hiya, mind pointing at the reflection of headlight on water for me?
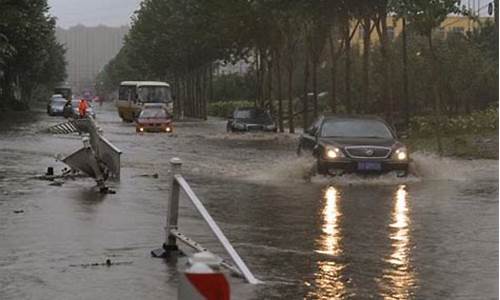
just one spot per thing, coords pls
(331, 194)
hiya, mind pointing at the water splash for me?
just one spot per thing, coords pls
(424, 167)
(430, 166)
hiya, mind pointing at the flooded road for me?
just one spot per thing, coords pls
(433, 235)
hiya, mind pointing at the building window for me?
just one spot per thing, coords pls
(457, 30)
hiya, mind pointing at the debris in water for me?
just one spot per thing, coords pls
(107, 263)
(56, 183)
(155, 175)
(20, 211)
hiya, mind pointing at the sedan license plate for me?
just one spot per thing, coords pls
(369, 166)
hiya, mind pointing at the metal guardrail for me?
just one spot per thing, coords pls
(172, 233)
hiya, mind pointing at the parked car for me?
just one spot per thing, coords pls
(71, 109)
(250, 119)
(154, 117)
(361, 144)
(55, 107)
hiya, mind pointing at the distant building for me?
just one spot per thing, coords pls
(452, 24)
(89, 49)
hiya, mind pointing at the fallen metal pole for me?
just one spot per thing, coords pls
(198, 247)
(216, 230)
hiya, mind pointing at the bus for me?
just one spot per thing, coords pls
(64, 90)
(133, 94)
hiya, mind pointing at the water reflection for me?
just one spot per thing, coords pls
(328, 280)
(331, 233)
(399, 276)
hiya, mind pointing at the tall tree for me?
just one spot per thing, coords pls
(425, 15)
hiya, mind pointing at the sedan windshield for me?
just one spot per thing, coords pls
(153, 113)
(253, 115)
(58, 101)
(355, 128)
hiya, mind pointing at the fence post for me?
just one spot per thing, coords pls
(170, 243)
(173, 205)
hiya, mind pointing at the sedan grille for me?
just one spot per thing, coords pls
(368, 151)
(254, 127)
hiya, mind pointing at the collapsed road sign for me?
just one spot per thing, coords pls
(98, 158)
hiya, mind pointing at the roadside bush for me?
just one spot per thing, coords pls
(224, 108)
(476, 122)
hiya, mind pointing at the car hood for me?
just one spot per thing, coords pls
(254, 121)
(152, 120)
(343, 142)
(58, 106)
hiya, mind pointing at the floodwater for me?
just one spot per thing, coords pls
(433, 235)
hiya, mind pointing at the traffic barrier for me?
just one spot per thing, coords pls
(202, 279)
(172, 234)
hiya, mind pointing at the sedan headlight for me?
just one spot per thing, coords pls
(401, 154)
(270, 127)
(333, 153)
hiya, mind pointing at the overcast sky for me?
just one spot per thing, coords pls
(118, 12)
(93, 12)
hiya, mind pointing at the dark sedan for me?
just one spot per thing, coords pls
(250, 119)
(360, 144)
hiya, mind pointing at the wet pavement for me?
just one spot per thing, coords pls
(433, 235)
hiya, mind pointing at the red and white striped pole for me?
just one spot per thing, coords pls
(203, 279)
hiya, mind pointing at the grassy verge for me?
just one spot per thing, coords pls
(469, 146)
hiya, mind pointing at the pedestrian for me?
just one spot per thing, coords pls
(82, 108)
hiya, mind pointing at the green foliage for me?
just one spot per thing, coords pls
(224, 108)
(477, 122)
(234, 86)
(180, 41)
(30, 57)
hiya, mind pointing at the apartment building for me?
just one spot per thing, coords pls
(89, 49)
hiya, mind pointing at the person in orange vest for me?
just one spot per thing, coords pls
(82, 108)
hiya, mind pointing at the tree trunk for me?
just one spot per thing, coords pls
(366, 63)
(306, 91)
(333, 75)
(405, 77)
(280, 93)
(495, 4)
(206, 77)
(257, 78)
(211, 82)
(290, 98)
(315, 85)
(270, 84)
(384, 49)
(347, 78)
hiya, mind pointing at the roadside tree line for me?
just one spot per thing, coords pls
(299, 48)
(31, 60)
